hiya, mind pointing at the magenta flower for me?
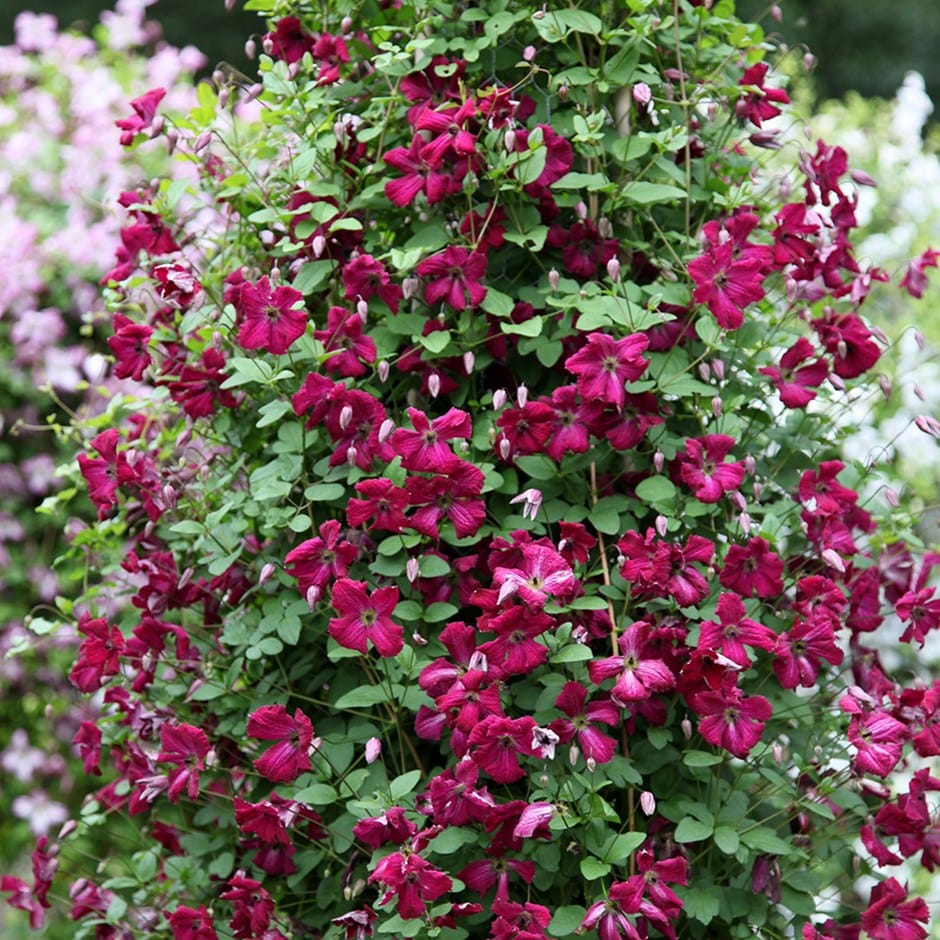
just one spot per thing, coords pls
(729, 720)
(290, 757)
(543, 573)
(795, 383)
(189, 923)
(638, 674)
(891, 917)
(454, 277)
(269, 318)
(382, 506)
(915, 278)
(411, 881)
(351, 351)
(99, 656)
(420, 176)
(734, 632)
(145, 110)
(704, 470)
(363, 617)
(753, 569)
(186, 746)
(726, 284)
(456, 496)
(129, 345)
(801, 649)
(604, 365)
(496, 743)
(320, 560)
(365, 278)
(760, 104)
(594, 744)
(425, 448)
(879, 740)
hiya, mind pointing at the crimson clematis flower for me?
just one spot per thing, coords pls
(496, 743)
(753, 569)
(129, 345)
(364, 617)
(543, 573)
(922, 611)
(357, 924)
(454, 277)
(604, 365)
(593, 743)
(411, 881)
(638, 674)
(269, 318)
(392, 827)
(878, 738)
(794, 383)
(890, 916)
(734, 632)
(290, 757)
(456, 497)
(704, 470)
(145, 110)
(726, 284)
(187, 747)
(351, 351)
(761, 104)
(188, 923)
(320, 560)
(420, 176)
(382, 506)
(801, 649)
(290, 40)
(849, 342)
(516, 921)
(424, 448)
(729, 720)
(253, 907)
(915, 278)
(365, 278)
(99, 655)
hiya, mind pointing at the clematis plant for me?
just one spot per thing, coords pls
(477, 447)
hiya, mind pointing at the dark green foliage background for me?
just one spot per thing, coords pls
(861, 45)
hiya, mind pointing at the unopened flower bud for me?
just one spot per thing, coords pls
(385, 430)
(647, 802)
(346, 24)
(776, 13)
(383, 368)
(528, 54)
(362, 308)
(169, 496)
(157, 125)
(469, 359)
(505, 448)
(604, 227)
(928, 425)
(718, 369)
(499, 398)
(750, 464)
(202, 141)
(659, 461)
(293, 70)
(229, 5)
(373, 749)
(642, 94)
(553, 278)
(717, 406)
(581, 210)
(522, 396)
(686, 727)
(412, 570)
(251, 49)
(266, 572)
(919, 392)
(509, 140)
(255, 91)
(613, 269)
(809, 61)
(662, 525)
(832, 558)
(345, 416)
(172, 139)
(892, 497)
(434, 384)
(418, 640)
(267, 44)
(744, 520)
(410, 286)
(351, 455)
(312, 596)
(591, 765)
(704, 371)
(919, 339)
(778, 753)
(563, 93)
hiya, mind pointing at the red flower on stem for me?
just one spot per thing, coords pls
(290, 757)
(604, 365)
(269, 317)
(364, 617)
(186, 746)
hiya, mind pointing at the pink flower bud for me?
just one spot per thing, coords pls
(418, 640)
(809, 61)
(345, 416)
(522, 396)
(505, 448)
(591, 765)
(659, 461)
(362, 308)
(750, 464)
(553, 278)
(581, 210)
(613, 269)
(266, 572)
(758, 489)
(686, 727)
(229, 5)
(778, 752)
(831, 557)
(469, 360)
(928, 425)
(532, 500)
(345, 24)
(919, 392)
(410, 287)
(268, 45)
(717, 406)
(383, 368)
(744, 520)
(499, 398)
(172, 139)
(604, 227)
(251, 49)
(647, 802)
(373, 750)
(509, 140)
(662, 525)
(255, 91)
(862, 178)
(884, 384)
(434, 384)
(562, 93)
(919, 339)
(313, 596)
(224, 95)
(704, 371)
(385, 430)
(892, 497)
(642, 93)
(837, 382)
(528, 54)
(776, 13)
(351, 455)
(718, 369)
(157, 125)
(202, 141)
(293, 70)
(412, 570)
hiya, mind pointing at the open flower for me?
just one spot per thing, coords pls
(290, 756)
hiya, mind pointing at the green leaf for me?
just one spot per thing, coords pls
(701, 905)
(765, 840)
(605, 516)
(323, 492)
(531, 327)
(701, 759)
(317, 794)
(497, 303)
(622, 846)
(592, 182)
(451, 840)
(727, 840)
(592, 868)
(566, 920)
(647, 194)
(273, 411)
(403, 785)
(312, 276)
(436, 342)
(657, 489)
(573, 653)
(362, 697)
(530, 164)
(692, 830)
(538, 467)
(433, 566)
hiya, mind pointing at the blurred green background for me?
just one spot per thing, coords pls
(865, 45)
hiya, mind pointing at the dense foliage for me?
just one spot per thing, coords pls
(475, 556)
